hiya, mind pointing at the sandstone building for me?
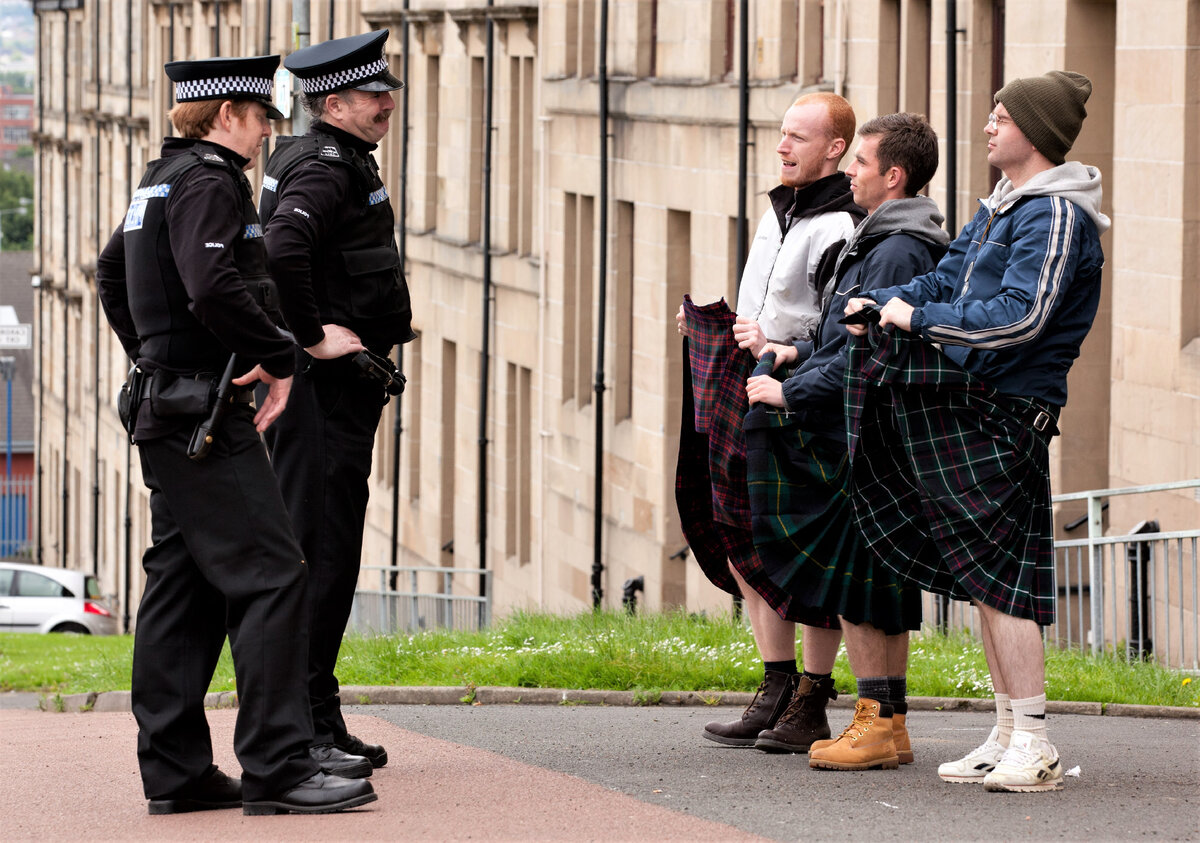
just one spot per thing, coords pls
(673, 71)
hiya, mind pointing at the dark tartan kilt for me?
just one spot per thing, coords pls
(804, 530)
(716, 545)
(950, 484)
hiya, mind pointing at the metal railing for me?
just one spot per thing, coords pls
(412, 599)
(1131, 596)
(16, 522)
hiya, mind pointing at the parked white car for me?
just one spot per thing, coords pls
(35, 598)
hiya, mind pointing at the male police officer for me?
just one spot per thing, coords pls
(183, 283)
(330, 235)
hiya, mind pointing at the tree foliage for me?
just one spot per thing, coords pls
(16, 221)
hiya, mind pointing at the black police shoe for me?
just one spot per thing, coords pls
(318, 794)
(374, 753)
(216, 790)
(335, 762)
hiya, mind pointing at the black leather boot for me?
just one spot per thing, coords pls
(804, 721)
(764, 710)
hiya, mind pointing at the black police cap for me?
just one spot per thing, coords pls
(226, 79)
(355, 62)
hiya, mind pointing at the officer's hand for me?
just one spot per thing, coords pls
(338, 342)
(277, 395)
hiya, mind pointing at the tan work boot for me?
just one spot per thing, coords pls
(866, 744)
(900, 738)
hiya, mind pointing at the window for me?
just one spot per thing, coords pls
(428, 149)
(623, 248)
(412, 401)
(520, 156)
(35, 585)
(578, 225)
(517, 463)
(449, 412)
(475, 158)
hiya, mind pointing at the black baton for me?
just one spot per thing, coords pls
(202, 437)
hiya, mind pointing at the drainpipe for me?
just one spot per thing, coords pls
(301, 35)
(216, 28)
(402, 247)
(96, 331)
(952, 32)
(37, 284)
(601, 323)
(66, 227)
(330, 36)
(743, 133)
(485, 339)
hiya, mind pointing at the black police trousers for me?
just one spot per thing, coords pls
(321, 451)
(223, 561)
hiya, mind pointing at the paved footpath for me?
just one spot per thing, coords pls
(608, 772)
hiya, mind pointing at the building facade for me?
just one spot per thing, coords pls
(490, 457)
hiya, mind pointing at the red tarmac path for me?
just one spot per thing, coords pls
(73, 777)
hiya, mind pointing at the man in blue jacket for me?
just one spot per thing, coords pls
(952, 401)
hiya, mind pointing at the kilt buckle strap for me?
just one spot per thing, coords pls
(1041, 421)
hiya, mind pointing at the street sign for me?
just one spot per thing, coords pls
(16, 336)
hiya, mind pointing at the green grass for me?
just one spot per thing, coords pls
(647, 654)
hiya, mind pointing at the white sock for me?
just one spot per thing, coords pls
(1029, 715)
(1004, 718)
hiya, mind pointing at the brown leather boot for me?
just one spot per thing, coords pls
(803, 721)
(900, 738)
(866, 744)
(773, 695)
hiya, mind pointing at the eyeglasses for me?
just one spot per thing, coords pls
(994, 122)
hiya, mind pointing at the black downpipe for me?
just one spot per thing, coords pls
(485, 340)
(331, 34)
(66, 298)
(952, 31)
(128, 590)
(96, 325)
(41, 413)
(402, 246)
(743, 133)
(601, 323)
(217, 28)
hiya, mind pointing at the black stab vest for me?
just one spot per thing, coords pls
(356, 275)
(171, 336)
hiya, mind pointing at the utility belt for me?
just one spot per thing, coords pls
(171, 395)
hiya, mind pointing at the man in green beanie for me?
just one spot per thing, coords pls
(953, 397)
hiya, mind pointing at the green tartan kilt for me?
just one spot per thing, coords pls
(803, 523)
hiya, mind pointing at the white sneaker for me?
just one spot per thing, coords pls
(1030, 764)
(977, 763)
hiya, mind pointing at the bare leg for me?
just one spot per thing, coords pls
(775, 637)
(1015, 653)
(867, 649)
(820, 648)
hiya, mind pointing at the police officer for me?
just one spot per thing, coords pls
(183, 283)
(330, 235)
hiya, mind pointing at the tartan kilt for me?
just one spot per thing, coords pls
(951, 486)
(804, 530)
(717, 538)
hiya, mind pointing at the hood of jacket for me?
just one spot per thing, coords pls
(825, 195)
(917, 217)
(1075, 182)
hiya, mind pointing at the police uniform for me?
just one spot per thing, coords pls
(182, 282)
(330, 236)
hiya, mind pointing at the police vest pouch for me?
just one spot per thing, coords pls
(374, 280)
(173, 395)
(129, 399)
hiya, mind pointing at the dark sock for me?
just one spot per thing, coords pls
(874, 688)
(898, 693)
(817, 677)
(788, 667)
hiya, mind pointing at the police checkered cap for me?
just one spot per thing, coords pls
(223, 87)
(353, 62)
(343, 78)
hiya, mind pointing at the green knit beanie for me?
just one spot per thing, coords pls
(1048, 109)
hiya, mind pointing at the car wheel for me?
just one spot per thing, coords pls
(72, 629)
